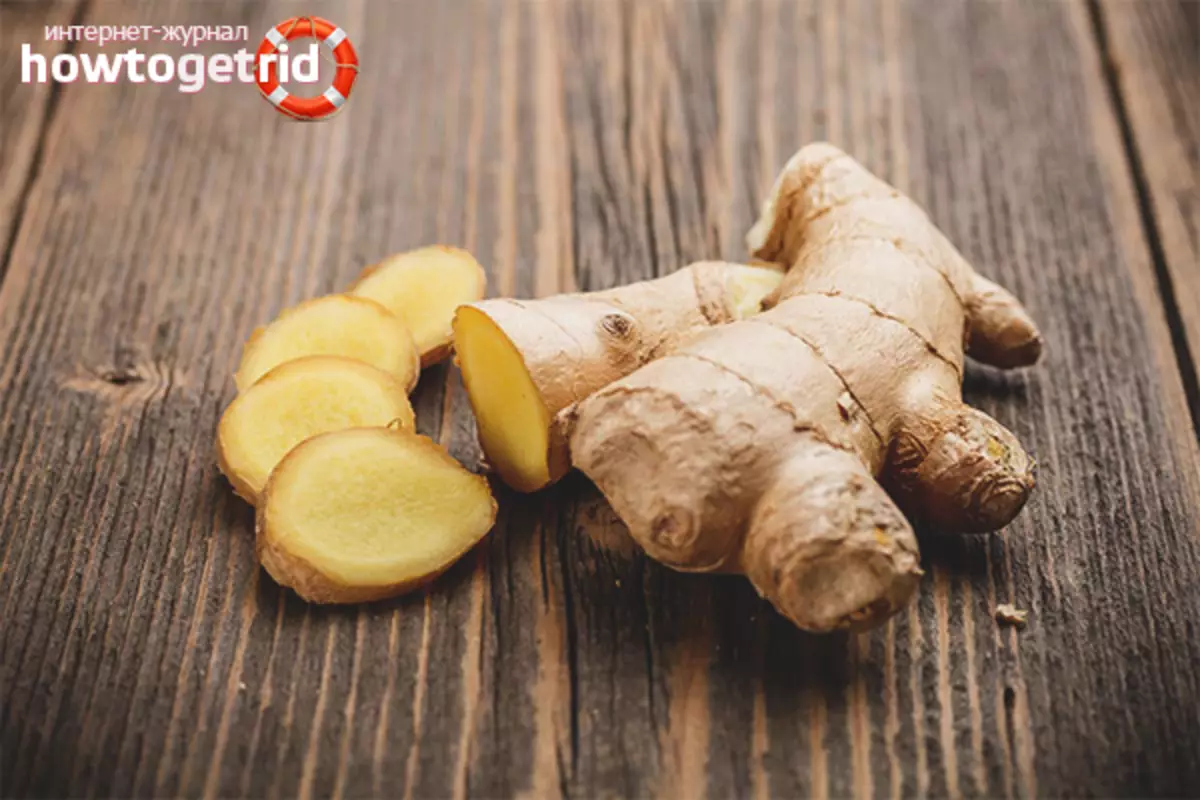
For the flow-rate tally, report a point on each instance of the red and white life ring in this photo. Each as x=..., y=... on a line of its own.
x=323, y=105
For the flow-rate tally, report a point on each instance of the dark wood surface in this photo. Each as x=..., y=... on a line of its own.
x=579, y=145
x=25, y=106
x=1153, y=54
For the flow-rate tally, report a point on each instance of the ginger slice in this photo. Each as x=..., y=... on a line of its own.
x=368, y=513
x=298, y=400
x=423, y=287
x=336, y=325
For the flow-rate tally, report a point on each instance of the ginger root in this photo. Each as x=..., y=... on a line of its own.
x=336, y=325
x=368, y=513
x=523, y=361
x=298, y=400
x=1008, y=614
x=755, y=446
x=423, y=287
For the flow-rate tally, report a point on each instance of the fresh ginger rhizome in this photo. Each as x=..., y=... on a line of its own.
x=759, y=444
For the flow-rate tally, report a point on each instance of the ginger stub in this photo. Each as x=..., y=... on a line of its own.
x=756, y=446
x=336, y=325
x=524, y=361
x=298, y=400
x=368, y=513
x=423, y=287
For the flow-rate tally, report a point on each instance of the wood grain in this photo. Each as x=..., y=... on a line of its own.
x=1153, y=58
x=28, y=107
x=579, y=145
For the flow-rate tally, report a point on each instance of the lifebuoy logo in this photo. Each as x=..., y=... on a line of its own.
x=274, y=64
x=271, y=61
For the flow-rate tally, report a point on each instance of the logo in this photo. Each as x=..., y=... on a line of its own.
x=270, y=68
x=272, y=54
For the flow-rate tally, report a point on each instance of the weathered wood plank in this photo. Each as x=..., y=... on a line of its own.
x=579, y=145
x=1153, y=52
x=27, y=106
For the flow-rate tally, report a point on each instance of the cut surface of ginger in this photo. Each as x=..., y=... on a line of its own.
x=423, y=287
x=512, y=417
x=336, y=325
x=368, y=513
x=750, y=286
x=298, y=400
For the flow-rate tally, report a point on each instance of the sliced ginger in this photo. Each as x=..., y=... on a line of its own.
x=337, y=325
x=368, y=513
x=423, y=287
x=296, y=401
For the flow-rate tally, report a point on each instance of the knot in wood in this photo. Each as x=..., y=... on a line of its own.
x=121, y=376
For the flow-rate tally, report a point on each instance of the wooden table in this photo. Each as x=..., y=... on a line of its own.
x=577, y=145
